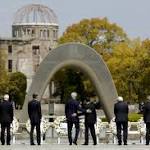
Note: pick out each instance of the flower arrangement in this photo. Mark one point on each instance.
(44, 126)
(14, 126)
(113, 127)
(98, 125)
(141, 126)
(60, 125)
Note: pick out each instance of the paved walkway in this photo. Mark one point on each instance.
(74, 147)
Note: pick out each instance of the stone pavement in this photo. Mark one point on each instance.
(74, 147)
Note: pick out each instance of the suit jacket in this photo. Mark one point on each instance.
(71, 107)
(6, 112)
(90, 118)
(121, 111)
(34, 111)
(146, 112)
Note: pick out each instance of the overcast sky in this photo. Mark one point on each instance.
(132, 15)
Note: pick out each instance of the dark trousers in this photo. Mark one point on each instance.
(77, 129)
(38, 133)
(5, 126)
(122, 126)
(147, 132)
(92, 130)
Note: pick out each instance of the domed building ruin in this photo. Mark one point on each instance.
(35, 21)
(34, 34)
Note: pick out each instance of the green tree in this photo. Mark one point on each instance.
(144, 67)
(69, 80)
(122, 67)
(98, 33)
(129, 66)
(17, 87)
(128, 61)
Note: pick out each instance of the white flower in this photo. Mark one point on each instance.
(98, 125)
(14, 126)
(44, 126)
(60, 125)
(141, 126)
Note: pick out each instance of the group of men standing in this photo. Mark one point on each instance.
(35, 115)
(121, 117)
(73, 110)
(7, 114)
(121, 111)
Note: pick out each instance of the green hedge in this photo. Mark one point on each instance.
(133, 117)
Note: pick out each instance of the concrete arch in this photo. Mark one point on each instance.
(82, 57)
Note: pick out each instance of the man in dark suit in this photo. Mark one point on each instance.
(34, 111)
(121, 113)
(146, 116)
(6, 118)
(90, 120)
(71, 109)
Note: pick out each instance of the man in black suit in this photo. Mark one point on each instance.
(90, 120)
(71, 109)
(121, 113)
(146, 116)
(6, 118)
(34, 111)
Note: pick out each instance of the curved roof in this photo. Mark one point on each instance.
(35, 14)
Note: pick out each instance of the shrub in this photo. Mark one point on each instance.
(132, 117)
(17, 87)
(104, 119)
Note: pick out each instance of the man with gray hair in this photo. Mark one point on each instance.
(146, 116)
(121, 117)
(6, 118)
(71, 108)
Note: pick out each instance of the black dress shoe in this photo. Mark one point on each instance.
(147, 144)
(85, 144)
(95, 144)
(119, 143)
(125, 144)
(32, 144)
(70, 143)
(75, 143)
